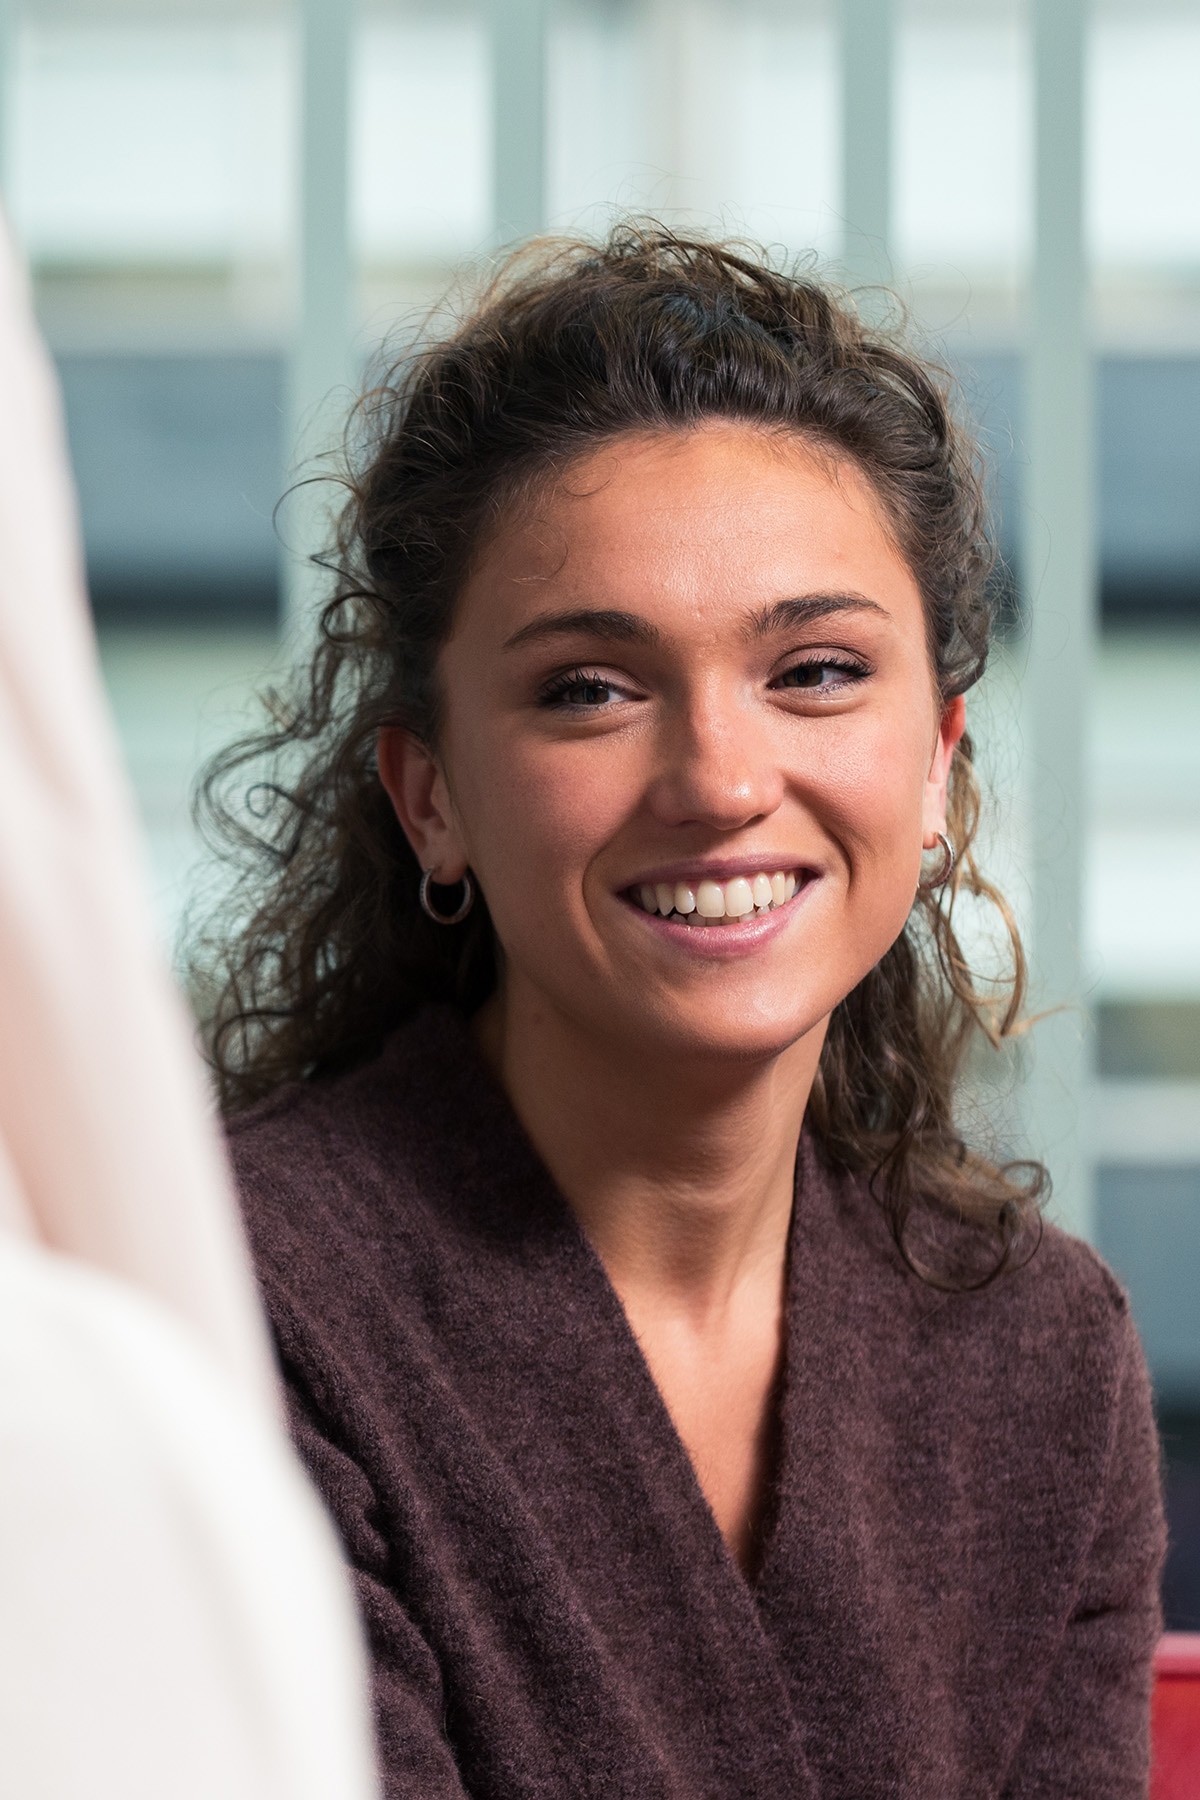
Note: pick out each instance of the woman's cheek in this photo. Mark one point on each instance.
(873, 812)
(882, 897)
(538, 822)
(867, 791)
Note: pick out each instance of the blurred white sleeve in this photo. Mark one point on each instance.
(103, 1108)
(173, 1620)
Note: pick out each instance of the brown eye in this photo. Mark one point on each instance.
(815, 675)
(588, 693)
(578, 688)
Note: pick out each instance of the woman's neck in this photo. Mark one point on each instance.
(680, 1171)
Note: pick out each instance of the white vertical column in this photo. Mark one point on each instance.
(322, 375)
(690, 70)
(9, 27)
(866, 64)
(518, 118)
(1059, 585)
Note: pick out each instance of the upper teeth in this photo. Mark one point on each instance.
(708, 902)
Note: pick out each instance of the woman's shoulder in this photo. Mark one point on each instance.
(1063, 1274)
(1062, 1325)
(1054, 1306)
(1035, 1369)
(314, 1159)
(301, 1146)
(1060, 1292)
(408, 1158)
(392, 1106)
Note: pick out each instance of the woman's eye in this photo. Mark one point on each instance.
(580, 688)
(823, 674)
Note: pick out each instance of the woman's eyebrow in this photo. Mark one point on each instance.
(785, 615)
(628, 628)
(599, 622)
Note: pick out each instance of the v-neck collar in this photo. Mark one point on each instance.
(665, 1536)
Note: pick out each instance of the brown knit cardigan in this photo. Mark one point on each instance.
(958, 1597)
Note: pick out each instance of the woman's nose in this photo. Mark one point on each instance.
(718, 767)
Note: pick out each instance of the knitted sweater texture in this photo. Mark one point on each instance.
(958, 1596)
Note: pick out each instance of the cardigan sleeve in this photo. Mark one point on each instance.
(415, 1757)
(1088, 1737)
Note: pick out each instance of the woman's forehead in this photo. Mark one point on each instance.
(724, 518)
(684, 471)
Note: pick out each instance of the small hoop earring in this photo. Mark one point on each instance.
(947, 869)
(460, 912)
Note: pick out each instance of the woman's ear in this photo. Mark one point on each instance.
(951, 725)
(416, 786)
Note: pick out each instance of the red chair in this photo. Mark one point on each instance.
(1175, 1731)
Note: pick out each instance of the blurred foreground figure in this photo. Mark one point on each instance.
(173, 1617)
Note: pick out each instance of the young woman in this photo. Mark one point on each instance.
(701, 1416)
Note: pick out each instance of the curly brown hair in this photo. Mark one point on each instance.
(573, 344)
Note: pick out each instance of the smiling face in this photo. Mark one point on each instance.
(691, 744)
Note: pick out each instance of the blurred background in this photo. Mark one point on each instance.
(230, 205)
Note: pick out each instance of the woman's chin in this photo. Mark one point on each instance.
(638, 1013)
(740, 1031)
